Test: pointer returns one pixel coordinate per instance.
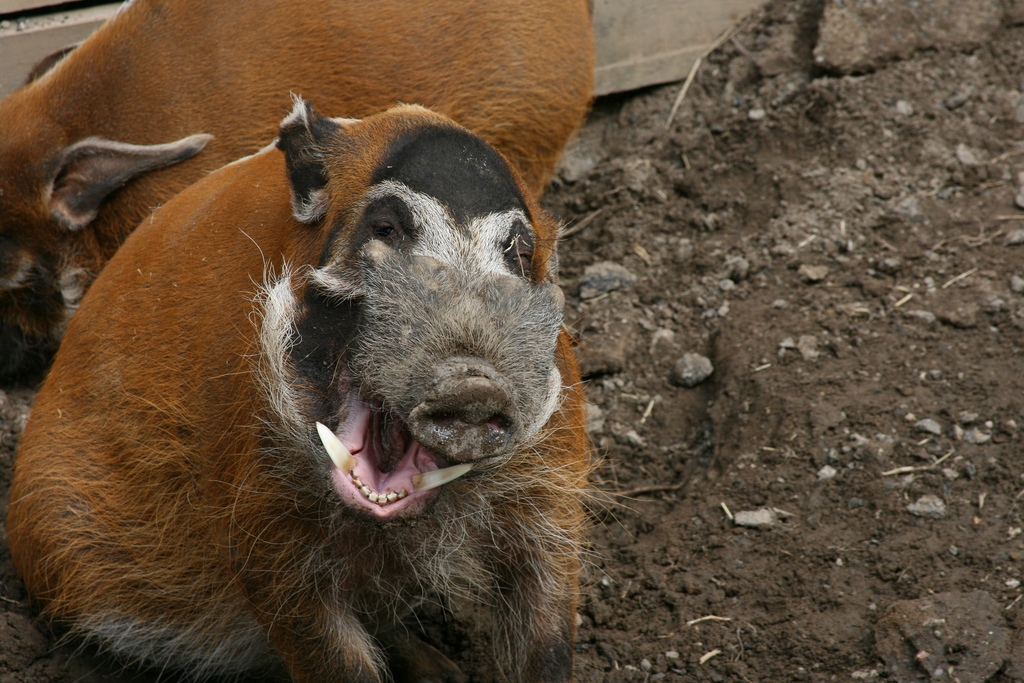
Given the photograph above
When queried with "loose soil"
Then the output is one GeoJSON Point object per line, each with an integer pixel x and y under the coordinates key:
{"type": "Point", "coordinates": [842, 249]}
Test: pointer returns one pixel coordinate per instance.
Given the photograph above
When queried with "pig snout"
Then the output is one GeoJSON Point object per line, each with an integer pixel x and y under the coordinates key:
{"type": "Point", "coordinates": [467, 413]}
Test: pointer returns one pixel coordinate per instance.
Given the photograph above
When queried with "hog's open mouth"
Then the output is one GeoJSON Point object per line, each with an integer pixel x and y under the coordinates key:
{"type": "Point", "coordinates": [379, 467]}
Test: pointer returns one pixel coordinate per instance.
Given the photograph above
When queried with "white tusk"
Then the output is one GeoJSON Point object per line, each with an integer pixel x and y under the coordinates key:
{"type": "Point", "coordinates": [435, 478]}
{"type": "Point", "coordinates": [340, 456]}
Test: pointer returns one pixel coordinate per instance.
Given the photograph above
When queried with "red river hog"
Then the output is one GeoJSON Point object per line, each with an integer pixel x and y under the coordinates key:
{"type": "Point", "coordinates": [326, 384]}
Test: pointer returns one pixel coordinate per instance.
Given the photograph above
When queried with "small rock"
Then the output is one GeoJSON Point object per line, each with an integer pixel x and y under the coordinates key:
{"type": "Point", "coordinates": [671, 654]}
{"type": "Point", "coordinates": [692, 369]}
{"type": "Point", "coordinates": [726, 285]}
{"type": "Point", "coordinates": [966, 417]}
{"type": "Point", "coordinates": [595, 419]}
{"type": "Point", "coordinates": [954, 102]}
{"type": "Point", "coordinates": [807, 345]}
{"type": "Point", "coordinates": [737, 268]}
{"type": "Point", "coordinates": [1017, 284]}
{"type": "Point", "coordinates": [1012, 583]}
{"type": "Point", "coordinates": [910, 208]}
{"type": "Point", "coordinates": [601, 278]}
{"type": "Point", "coordinates": [761, 518]}
{"type": "Point", "coordinates": [827, 472]}
{"type": "Point", "coordinates": [928, 505]}
{"type": "Point", "coordinates": [631, 438]}
{"type": "Point", "coordinates": [963, 317]}
{"type": "Point", "coordinates": [928, 426]}
{"type": "Point", "coordinates": [645, 664]}
{"type": "Point", "coordinates": [756, 114]}
{"type": "Point", "coordinates": [976, 436]}
{"type": "Point", "coordinates": [811, 274]}
{"type": "Point", "coordinates": [889, 266]}
{"type": "Point", "coordinates": [924, 316]}
{"type": "Point", "coordinates": [903, 108]}
{"type": "Point", "coordinates": [1015, 238]}
{"type": "Point", "coordinates": [965, 156]}
{"type": "Point", "coordinates": [780, 303]}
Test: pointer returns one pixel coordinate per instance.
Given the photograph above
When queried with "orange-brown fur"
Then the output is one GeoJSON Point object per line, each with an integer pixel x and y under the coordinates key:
{"type": "Point", "coordinates": [143, 483]}
{"type": "Point", "coordinates": [516, 73]}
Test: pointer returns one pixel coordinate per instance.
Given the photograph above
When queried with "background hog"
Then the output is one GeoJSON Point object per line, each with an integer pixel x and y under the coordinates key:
{"type": "Point", "coordinates": [113, 130]}
{"type": "Point", "coordinates": [174, 498]}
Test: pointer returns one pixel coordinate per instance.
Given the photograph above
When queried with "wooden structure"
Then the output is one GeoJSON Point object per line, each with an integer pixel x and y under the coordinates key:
{"type": "Point", "coordinates": [639, 42]}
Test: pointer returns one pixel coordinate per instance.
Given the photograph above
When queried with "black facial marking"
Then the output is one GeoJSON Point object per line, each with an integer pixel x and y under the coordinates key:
{"type": "Point", "coordinates": [457, 168]}
{"type": "Point", "coordinates": [326, 328]}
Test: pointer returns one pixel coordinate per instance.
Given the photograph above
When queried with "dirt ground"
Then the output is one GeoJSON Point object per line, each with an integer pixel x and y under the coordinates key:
{"type": "Point", "coordinates": [840, 499]}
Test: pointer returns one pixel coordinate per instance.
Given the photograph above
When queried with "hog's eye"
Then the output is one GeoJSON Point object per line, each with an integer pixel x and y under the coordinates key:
{"type": "Point", "coordinates": [519, 256]}
{"type": "Point", "coordinates": [386, 230]}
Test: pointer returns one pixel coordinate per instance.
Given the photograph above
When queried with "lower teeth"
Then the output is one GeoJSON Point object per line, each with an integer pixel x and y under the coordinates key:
{"type": "Point", "coordinates": [373, 496]}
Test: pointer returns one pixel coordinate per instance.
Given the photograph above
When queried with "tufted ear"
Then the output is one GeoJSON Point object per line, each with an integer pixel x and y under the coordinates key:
{"type": "Point", "coordinates": [304, 138]}
{"type": "Point", "coordinates": [88, 171]}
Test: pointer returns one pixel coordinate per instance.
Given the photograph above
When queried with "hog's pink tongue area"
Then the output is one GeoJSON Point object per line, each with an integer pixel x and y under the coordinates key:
{"type": "Point", "coordinates": [387, 457]}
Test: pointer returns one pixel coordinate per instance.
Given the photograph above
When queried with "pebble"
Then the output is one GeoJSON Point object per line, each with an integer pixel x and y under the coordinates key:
{"type": "Point", "coordinates": [811, 274]}
{"type": "Point", "coordinates": [633, 439]}
{"type": "Point", "coordinates": [955, 102]}
{"type": "Point", "coordinates": [1015, 238]}
{"type": "Point", "coordinates": [928, 426]}
{"type": "Point", "coordinates": [756, 519]}
{"type": "Point", "coordinates": [976, 436]}
{"type": "Point", "coordinates": [889, 266]}
{"type": "Point", "coordinates": [924, 316]}
{"type": "Point", "coordinates": [780, 303]}
{"type": "Point", "coordinates": [601, 278]}
{"type": "Point", "coordinates": [965, 155]}
{"type": "Point", "coordinates": [904, 108]}
{"type": "Point", "coordinates": [726, 285]}
{"type": "Point", "coordinates": [691, 370]}
{"type": "Point", "coordinates": [807, 345]}
{"type": "Point", "coordinates": [595, 419]}
{"type": "Point", "coordinates": [928, 505]}
{"type": "Point", "coordinates": [827, 472]}
{"type": "Point", "coordinates": [756, 114]}
{"type": "Point", "coordinates": [737, 268]}
{"type": "Point", "coordinates": [967, 417]}
{"type": "Point", "coordinates": [910, 208]}
{"type": "Point", "coordinates": [1017, 284]}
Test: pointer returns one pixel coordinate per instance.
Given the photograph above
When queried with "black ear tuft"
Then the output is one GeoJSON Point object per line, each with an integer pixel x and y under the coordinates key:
{"type": "Point", "coordinates": [304, 137]}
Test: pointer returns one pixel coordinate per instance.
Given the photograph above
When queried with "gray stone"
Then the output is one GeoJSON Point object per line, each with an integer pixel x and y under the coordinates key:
{"type": "Point", "coordinates": [761, 518]}
{"type": "Point", "coordinates": [928, 426]}
{"type": "Point", "coordinates": [807, 345]}
{"type": "Point", "coordinates": [1015, 238]}
{"type": "Point", "coordinates": [811, 274]}
{"type": "Point", "coordinates": [601, 278]}
{"type": "Point", "coordinates": [1017, 284]}
{"type": "Point", "coordinates": [965, 155]}
{"type": "Point", "coordinates": [929, 506]}
{"type": "Point", "coordinates": [692, 369]}
{"type": "Point", "coordinates": [858, 36]}
{"type": "Point", "coordinates": [924, 316]}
